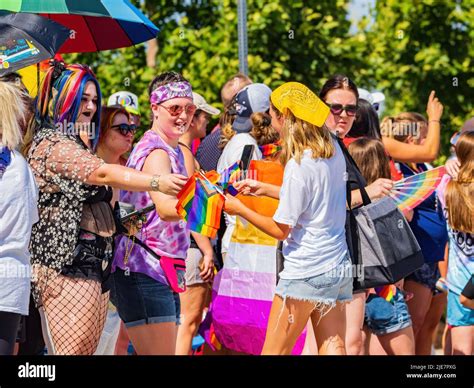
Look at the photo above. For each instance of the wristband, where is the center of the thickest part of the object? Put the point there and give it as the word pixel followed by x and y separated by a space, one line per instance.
pixel 155 183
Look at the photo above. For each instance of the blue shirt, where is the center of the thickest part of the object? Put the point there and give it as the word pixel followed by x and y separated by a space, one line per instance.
pixel 208 153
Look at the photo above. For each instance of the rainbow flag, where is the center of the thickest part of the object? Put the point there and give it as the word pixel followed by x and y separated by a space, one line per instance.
pixel 205 214
pixel 387 292
pixel 229 176
pixel 185 197
pixel 408 193
pixel 200 203
pixel 201 200
pixel 243 290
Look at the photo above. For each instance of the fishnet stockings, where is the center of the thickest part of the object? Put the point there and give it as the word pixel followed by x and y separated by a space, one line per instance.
pixel 75 310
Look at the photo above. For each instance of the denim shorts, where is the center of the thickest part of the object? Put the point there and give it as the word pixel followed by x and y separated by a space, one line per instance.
pixel 327 288
pixel 141 300
pixel 427 275
pixel 383 317
pixel 457 314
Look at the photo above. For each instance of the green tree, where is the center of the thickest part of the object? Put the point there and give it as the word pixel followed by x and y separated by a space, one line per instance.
pixel 418 46
pixel 288 40
pixel 405 48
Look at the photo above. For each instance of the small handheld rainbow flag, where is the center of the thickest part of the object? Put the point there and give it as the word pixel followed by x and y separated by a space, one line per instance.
pixel 408 193
pixel 201 200
pixel 206 210
pixel 185 198
pixel 229 176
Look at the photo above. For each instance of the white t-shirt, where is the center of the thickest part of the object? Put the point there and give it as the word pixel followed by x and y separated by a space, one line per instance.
pixel 313 204
pixel 231 153
pixel 18 213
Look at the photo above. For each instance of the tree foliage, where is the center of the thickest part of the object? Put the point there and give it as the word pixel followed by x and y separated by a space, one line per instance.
pixel 406 48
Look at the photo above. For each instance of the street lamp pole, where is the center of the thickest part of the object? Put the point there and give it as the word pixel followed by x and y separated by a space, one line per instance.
pixel 242 33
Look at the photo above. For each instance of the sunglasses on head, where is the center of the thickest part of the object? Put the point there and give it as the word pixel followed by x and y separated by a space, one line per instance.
pixel 337 109
pixel 176 110
pixel 125 129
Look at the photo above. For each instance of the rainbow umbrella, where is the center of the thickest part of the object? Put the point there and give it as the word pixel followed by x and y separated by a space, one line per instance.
pixel 94 25
pixel 408 193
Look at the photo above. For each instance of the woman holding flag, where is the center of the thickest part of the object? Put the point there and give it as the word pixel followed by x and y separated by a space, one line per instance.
pixel 316 280
pixel 200 255
pixel 145 282
pixel 71 245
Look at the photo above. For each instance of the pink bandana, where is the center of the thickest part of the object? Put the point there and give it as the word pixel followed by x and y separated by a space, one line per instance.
pixel 172 90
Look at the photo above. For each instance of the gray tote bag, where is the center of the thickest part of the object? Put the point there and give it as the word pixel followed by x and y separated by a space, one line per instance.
pixel 387 247
pixel 382 245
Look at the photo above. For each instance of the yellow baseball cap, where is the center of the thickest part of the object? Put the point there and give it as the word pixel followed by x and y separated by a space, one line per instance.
pixel 301 101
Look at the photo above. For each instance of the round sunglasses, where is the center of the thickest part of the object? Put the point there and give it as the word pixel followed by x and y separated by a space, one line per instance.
pixel 125 129
pixel 337 109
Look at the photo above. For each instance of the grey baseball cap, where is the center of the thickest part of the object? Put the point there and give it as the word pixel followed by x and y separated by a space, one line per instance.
pixel 251 99
pixel 202 104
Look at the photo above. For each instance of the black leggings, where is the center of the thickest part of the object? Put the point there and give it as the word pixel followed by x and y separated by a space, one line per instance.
pixel 9 323
pixel 34 343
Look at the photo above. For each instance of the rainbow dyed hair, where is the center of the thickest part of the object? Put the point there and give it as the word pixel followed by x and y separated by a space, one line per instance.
pixel 59 99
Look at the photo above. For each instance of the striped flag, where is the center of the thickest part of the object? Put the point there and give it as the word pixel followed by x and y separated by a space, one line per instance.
pixel 243 290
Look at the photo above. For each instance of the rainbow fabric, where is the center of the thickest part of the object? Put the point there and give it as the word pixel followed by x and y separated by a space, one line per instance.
pixel 200 203
pixel 243 290
pixel 185 198
pixel 408 193
pixel 270 149
pixel 386 292
pixel 201 200
pixel 229 176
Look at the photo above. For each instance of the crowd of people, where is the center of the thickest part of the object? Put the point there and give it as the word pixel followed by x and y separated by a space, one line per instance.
pixel 278 279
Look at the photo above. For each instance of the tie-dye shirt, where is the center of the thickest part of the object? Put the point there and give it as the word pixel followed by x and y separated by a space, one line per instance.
pixel 163 237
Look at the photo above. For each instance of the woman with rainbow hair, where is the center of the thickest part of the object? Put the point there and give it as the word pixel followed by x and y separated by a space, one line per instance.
pixel 71 245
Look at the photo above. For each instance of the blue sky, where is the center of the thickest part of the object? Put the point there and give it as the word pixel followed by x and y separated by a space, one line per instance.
pixel 357 9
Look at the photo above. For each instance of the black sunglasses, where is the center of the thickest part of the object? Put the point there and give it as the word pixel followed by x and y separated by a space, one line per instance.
pixel 125 129
pixel 336 109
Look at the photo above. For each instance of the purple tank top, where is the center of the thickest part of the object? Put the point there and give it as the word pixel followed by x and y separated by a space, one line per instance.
pixel 163 237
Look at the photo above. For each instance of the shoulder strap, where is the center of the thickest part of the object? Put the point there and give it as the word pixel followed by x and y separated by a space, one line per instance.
pixel 365 197
pixel 145 247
